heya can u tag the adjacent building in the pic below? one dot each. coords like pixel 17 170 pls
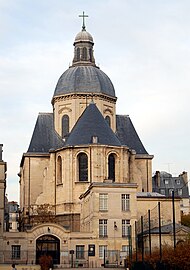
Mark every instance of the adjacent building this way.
pixel 166 184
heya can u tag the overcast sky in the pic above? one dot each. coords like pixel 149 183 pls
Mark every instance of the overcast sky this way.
pixel 142 45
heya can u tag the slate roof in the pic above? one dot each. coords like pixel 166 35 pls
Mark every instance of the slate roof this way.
pixel 84 79
pixel 149 195
pixel 92 123
pixel 128 135
pixel 44 136
pixel 173 183
pixel 165 229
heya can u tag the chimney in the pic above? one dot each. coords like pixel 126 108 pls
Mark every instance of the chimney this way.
pixel 184 176
pixel 157 178
pixel 1 152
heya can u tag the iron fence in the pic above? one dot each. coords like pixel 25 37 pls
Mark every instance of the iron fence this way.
pixel 68 259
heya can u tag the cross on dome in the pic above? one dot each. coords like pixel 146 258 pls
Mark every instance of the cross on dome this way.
pixel 83 21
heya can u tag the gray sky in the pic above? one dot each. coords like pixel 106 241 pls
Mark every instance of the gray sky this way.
pixel 142 45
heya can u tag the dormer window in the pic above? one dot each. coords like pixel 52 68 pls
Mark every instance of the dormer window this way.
pixel 166 182
pixel 180 191
pixel 178 182
pixel 94 139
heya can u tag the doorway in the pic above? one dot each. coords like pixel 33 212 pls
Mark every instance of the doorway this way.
pixel 48 245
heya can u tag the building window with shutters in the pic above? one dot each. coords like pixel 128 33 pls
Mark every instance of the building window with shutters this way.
pixel 111 167
pixel 65 125
pixel 103 202
pixel 103 228
pixel 16 252
pixel 82 167
pixel 125 202
pixel 125 227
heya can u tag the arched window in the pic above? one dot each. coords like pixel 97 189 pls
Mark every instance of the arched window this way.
pixel 65 125
pixel 90 54
pixel 78 54
pixel 59 170
pixel 83 167
pixel 111 167
pixel 108 120
pixel 84 53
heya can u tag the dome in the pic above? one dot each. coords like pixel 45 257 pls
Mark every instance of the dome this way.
pixel 83 36
pixel 84 79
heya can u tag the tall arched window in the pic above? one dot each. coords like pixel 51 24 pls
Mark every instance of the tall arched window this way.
pixel 65 125
pixel 108 120
pixel 84 53
pixel 78 54
pixel 59 170
pixel 90 54
pixel 111 167
pixel 83 167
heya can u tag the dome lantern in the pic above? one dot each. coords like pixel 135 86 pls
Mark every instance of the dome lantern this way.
pixel 83 51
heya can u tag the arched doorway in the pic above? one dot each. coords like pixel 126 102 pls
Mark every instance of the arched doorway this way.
pixel 48 245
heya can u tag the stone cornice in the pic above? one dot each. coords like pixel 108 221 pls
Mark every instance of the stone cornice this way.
pixel 107 185
pixel 144 156
pixel 83 96
pixel 33 154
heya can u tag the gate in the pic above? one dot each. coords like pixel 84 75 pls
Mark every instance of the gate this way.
pixel 48 245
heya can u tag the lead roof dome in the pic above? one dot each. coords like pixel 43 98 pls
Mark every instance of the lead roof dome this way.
pixel 84 79
pixel 84 36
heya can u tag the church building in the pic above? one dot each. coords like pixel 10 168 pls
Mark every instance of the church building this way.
pixel 86 176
